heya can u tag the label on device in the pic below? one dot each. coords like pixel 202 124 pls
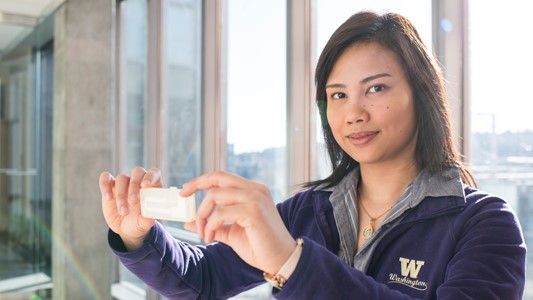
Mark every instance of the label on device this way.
pixel 167 204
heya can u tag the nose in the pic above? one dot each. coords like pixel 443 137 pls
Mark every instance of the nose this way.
pixel 356 111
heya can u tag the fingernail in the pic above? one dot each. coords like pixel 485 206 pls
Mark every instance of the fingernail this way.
pixel 123 210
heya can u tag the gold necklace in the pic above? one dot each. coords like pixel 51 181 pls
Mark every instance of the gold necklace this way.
pixel 368 230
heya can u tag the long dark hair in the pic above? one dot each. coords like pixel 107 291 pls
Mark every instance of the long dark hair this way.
pixel 435 150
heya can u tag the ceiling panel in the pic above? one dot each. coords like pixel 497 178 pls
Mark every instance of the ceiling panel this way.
pixel 19 17
pixel 33 8
pixel 10 34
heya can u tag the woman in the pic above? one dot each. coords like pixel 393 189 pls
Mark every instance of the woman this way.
pixel 398 218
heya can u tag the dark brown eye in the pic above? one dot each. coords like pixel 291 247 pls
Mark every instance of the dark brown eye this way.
pixel 376 88
pixel 338 95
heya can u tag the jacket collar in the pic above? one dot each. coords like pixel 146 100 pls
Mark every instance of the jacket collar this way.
pixel 431 194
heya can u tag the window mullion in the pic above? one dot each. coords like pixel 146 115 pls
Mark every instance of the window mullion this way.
pixel 299 89
pixel 214 98
pixel 154 141
pixel 450 44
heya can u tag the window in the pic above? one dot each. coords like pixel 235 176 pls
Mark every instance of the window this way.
pixel 26 106
pixel 183 102
pixel 133 80
pixel 159 100
pixel 132 106
pixel 256 92
pixel 181 113
pixel 501 131
pixel 254 78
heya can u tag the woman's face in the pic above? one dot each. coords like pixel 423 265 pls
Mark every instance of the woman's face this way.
pixel 370 107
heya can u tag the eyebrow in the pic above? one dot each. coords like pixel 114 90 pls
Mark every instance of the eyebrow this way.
pixel 364 80
pixel 370 78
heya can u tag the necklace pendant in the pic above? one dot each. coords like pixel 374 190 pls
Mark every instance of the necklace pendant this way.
pixel 367 231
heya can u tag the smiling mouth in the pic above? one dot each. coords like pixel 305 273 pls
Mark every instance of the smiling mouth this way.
pixel 362 138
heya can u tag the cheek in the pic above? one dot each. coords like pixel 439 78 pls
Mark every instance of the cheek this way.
pixel 403 120
pixel 334 119
pixel 335 122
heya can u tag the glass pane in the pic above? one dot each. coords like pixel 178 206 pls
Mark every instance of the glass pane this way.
pixel 330 14
pixel 134 78
pixel 26 98
pixel 183 105
pixel 256 92
pixel 184 98
pixel 501 135
pixel 256 84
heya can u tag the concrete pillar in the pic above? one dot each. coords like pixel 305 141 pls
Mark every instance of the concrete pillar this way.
pixel 83 267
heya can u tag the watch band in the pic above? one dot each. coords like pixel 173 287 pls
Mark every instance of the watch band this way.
pixel 279 279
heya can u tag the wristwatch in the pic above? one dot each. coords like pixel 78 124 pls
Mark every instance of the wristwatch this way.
pixel 279 279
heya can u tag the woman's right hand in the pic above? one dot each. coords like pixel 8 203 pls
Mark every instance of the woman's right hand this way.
pixel 121 204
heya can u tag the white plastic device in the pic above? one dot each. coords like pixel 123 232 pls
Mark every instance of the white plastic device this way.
pixel 167 204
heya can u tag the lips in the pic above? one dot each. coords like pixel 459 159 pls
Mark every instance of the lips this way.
pixel 362 138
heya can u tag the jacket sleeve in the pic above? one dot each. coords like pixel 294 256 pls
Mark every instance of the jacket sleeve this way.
pixel 490 257
pixel 178 270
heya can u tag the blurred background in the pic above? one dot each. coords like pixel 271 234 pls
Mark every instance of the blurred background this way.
pixel 192 86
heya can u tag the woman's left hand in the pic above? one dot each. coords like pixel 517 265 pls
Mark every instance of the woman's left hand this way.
pixel 241 213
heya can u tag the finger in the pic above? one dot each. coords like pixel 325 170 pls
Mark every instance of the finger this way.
pixel 134 186
pixel 190 226
pixel 215 179
pixel 223 197
pixel 202 213
pixel 223 232
pixel 121 193
pixel 220 218
pixel 106 182
pixel 214 198
pixel 214 223
pixel 152 178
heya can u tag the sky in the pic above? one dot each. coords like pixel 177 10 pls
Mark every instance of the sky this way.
pixel 256 74
pixel 500 62
pixel 501 55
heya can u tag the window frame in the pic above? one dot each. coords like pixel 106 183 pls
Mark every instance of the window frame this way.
pixel 451 49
